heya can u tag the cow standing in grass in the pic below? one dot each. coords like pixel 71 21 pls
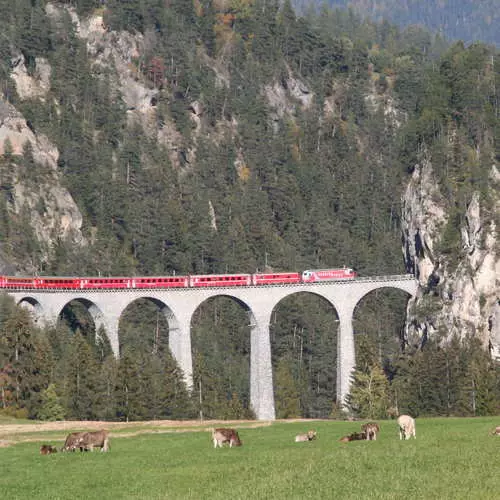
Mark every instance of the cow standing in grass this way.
pixel 371 430
pixel 97 439
pixel 72 441
pixel 223 435
pixel 406 427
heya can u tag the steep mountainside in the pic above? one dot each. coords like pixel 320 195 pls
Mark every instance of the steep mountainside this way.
pixel 214 137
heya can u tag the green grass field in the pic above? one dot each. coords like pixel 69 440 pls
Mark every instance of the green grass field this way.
pixel 450 459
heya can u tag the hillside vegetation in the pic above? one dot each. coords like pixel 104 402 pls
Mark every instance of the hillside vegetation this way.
pixel 467 20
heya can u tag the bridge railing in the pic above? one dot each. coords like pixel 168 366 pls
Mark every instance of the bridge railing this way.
pixel 390 277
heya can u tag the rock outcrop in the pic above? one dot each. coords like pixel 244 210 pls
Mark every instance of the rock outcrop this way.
pixel 53 214
pixel 457 297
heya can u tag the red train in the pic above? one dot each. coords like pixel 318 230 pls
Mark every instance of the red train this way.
pixel 194 281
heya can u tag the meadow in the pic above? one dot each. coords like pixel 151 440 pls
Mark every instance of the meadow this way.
pixel 452 458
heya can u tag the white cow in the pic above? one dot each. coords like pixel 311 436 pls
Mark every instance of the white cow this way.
pixel 302 438
pixel 406 427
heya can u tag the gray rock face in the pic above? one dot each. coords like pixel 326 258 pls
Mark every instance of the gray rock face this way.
pixel 5 267
pixel 455 298
pixel 53 212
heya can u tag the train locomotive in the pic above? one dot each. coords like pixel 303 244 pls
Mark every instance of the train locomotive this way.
pixel 162 282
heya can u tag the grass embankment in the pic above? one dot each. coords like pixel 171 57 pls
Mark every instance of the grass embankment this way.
pixel 451 459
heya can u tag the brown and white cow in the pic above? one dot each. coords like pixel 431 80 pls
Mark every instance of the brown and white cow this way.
pixel 97 439
pixel 371 429
pixel 355 436
pixel 72 441
pixel 301 438
pixel 223 435
pixel 406 427
pixel 47 449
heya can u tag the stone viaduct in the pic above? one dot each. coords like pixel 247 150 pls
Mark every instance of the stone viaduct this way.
pixel 178 305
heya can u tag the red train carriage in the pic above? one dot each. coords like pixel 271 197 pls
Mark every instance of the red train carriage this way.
pixel 164 282
pixel 57 283
pixel 311 276
pixel 275 278
pixel 17 282
pixel 220 280
pixel 104 283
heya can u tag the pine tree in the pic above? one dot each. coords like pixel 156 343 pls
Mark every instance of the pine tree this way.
pixel 178 403
pixel 206 389
pixel 235 410
pixel 17 350
pixel 286 392
pixel 81 379
pixel 152 386
pixel 41 371
pixel 106 406
pixel 369 396
pixel 51 407
pixel 130 396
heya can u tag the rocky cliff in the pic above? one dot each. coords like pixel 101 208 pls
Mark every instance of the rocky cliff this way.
pixel 36 196
pixel 456 297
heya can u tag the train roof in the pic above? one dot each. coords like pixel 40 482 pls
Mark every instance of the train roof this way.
pixel 326 270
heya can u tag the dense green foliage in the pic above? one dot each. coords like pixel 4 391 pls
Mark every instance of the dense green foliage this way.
pixel 289 191
pixel 468 20
pixel 51 374
pixel 449 459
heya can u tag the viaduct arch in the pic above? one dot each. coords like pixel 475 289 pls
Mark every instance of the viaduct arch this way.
pixel 179 304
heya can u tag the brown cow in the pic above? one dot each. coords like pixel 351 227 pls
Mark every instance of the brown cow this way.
pixel 371 429
pixel 73 441
pixel 355 436
pixel 223 435
pixel 97 439
pixel 301 438
pixel 47 449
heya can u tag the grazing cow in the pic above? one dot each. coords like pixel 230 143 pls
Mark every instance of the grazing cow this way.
pixel 222 435
pixel 73 441
pixel 406 427
pixel 47 449
pixel 301 438
pixel 371 429
pixel 97 439
pixel 355 436
pixel 496 431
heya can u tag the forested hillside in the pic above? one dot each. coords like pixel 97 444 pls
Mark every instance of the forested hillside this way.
pixel 466 20
pixel 224 136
